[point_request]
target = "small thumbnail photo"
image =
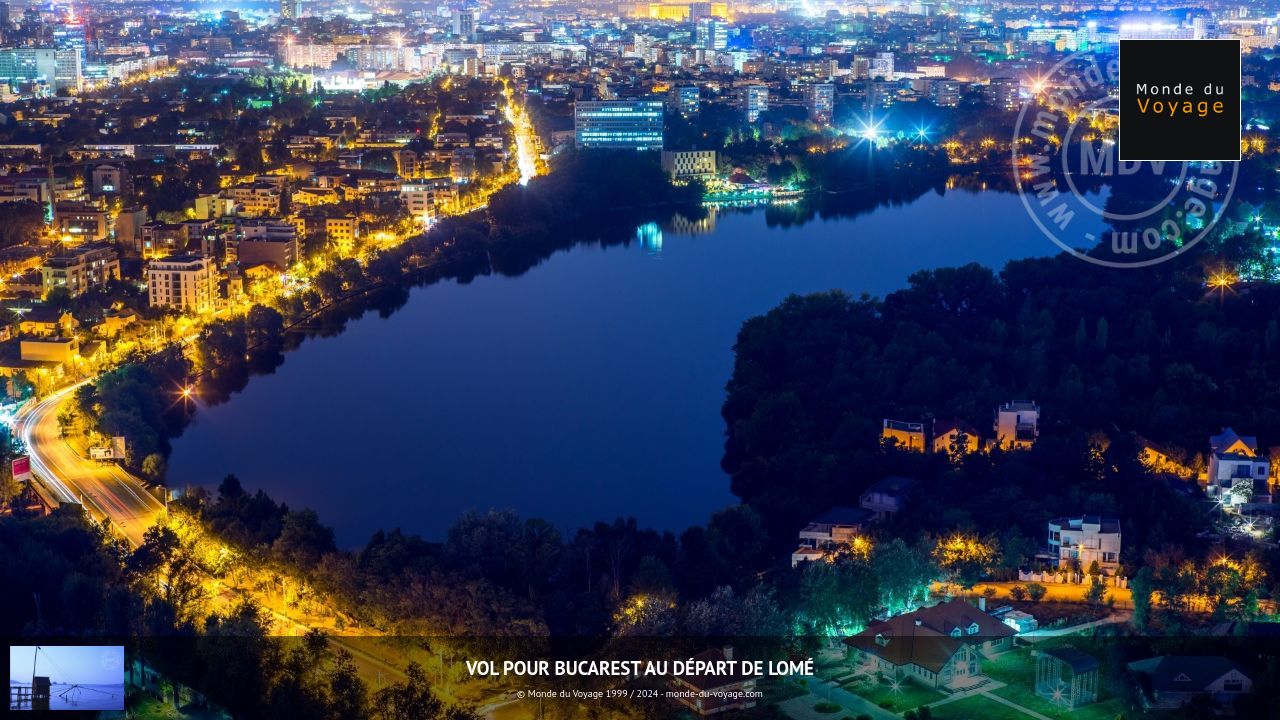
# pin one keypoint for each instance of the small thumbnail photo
(66, 677)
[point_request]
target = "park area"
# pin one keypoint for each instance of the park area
(1011, 694)
(897, 696)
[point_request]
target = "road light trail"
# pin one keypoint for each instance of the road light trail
(526, 140)
(112, 496)
(120, 501)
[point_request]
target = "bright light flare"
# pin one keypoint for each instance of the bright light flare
(1221, 280)
(870, 129)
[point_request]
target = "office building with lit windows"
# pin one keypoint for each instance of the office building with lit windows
(618, 124)
(463, 24)
(29, 67)
(712, 34)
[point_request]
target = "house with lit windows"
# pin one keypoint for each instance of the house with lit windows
(1237, 473)
(940, 647)
(906, 435)
(839, 527)
(955, 436)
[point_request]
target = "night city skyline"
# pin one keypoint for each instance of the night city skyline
(506, 359)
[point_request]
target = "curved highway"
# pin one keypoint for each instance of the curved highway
(122, 502)
(111, 495)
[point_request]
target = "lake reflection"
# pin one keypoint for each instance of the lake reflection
(588, 388)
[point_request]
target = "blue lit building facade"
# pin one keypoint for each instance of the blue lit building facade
(618, 124)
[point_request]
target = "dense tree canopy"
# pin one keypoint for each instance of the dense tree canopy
(1105, 354)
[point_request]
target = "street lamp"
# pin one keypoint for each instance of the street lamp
(186, 394)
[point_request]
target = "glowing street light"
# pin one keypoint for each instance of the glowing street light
(1221, 280)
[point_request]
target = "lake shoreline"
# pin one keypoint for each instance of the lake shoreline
(302, 492)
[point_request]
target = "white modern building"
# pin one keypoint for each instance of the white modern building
(882, 66)
(1087, 539)
(1017, 425)
(712, 34)
(1237, 471)
(836, 528)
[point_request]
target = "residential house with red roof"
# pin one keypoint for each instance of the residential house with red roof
(940, 647)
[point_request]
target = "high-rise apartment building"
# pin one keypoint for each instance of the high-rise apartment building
(183, 282)
(755, 100)
(820, 101)
(463, 24)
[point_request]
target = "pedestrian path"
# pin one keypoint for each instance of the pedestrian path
(1112, 619)
(1017, 707)
(986, 691)
(801, 708)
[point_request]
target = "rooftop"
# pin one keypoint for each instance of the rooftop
(924, 637)
(893, 485)
(1105, 525)
(842, 515)
(1079, 662)
(1184, 673)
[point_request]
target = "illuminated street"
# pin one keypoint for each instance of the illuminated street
(108, 492)
(568, 359)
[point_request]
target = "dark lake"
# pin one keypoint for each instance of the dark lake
(586, 389)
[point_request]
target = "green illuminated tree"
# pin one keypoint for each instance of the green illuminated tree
(837, 599)
(1097, 592)
(903, 575)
